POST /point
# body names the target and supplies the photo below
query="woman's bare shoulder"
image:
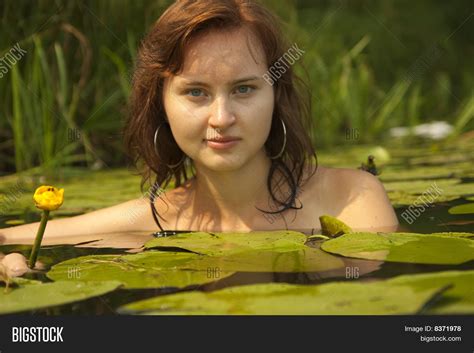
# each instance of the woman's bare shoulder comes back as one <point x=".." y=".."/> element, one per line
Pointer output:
<point x="355" y="197"/>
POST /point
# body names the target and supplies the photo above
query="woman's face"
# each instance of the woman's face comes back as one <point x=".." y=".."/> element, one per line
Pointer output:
<point x="220" y="93"/>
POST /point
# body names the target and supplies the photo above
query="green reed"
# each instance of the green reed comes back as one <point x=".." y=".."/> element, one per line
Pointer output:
<point x="64" y="102"/>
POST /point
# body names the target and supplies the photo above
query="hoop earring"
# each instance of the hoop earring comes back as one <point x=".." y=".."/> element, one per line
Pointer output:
<point x="284" y="142"/>
<point x="172" y="166"/>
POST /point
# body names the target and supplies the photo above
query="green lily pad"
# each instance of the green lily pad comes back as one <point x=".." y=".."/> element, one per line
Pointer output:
<point x="305" y="260"/>
<point x="456" y="300"/>
<point x="467" y="208"/>
<point x="407" y="192"/>
<point x="401" y="173"/>
<point x="215" y="244"/>
<point x="150" y="269"/>
<point x="421" y="186"/>
<point x="333" y="227"/>
<point x="445" y="157"/>
<point x="340" y="298"/>
<point x="104" y="188"/>
<point x="401" y="198"/>
<point x="454" y="234"/>
<point x="463" y="189"/>
<point x="38" y="296"/>
<point x="437" y="248"/>
<point x="23" y="281"/>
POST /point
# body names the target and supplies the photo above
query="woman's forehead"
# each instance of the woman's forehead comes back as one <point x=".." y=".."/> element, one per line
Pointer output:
<point x="224" y="53"/>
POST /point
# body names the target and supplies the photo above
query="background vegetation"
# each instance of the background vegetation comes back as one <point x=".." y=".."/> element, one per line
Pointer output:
<point x="371" y="65"/>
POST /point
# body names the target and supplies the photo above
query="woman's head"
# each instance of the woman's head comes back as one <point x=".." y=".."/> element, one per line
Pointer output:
<point x="220" y="88"/>
<point x="216" y="42"/>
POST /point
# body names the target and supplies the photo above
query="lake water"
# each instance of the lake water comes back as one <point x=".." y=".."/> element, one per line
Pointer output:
<point x="434" y="218"/>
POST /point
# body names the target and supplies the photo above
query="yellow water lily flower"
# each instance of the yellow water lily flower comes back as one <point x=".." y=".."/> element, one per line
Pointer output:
<point x="48" y="197"/>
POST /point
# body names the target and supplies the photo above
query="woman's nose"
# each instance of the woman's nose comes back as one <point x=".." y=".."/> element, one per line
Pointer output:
<point x="222" y="114"/>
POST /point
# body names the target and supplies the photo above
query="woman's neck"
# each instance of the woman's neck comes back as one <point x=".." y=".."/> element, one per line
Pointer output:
<point x="231" y="194"/>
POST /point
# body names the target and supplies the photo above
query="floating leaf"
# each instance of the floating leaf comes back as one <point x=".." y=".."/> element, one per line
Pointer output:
<point x="402" y="198"/>
<point x="453" y="234"/>
<point x="333" y="227"/>
<point x="420" y="186"/>
<point x="402" y="173"/>
<point x="150" y="269"/>
<point x="37" y="296"/>
<point x="437" y="248"/>
<point x="441" y="158"/>
<point x="461" y="189"/>
<point x="457" y="300"/>
<point x="467" y="208"/>
<point x="305" y="260"/>
<point x="343" y="298"/>
<point x="318" y="236"/>
<point x="423" y="191"/>
<point x="23" y="281"/>
<point x="227" y="243"/>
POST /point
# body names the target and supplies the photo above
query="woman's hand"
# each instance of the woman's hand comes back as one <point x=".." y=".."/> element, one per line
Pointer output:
<point x="14" y="264"/>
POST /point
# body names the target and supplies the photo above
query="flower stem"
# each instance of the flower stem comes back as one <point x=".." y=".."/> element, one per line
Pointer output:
<point x="39" y="237"/>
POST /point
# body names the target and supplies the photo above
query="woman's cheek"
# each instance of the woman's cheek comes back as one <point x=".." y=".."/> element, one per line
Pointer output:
<point x="188" y="136"/>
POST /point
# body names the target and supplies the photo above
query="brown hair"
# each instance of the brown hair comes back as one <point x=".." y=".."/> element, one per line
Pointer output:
<point x="162" y="53"/>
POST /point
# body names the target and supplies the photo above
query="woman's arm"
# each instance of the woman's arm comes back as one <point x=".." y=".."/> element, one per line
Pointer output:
<point x="130" y="216"/>
<point x="133" y="215"/>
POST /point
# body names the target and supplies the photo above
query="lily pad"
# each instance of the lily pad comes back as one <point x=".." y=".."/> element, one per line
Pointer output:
<point x="421" y="186"/>
<point x="467" y="208"/>
<point x="447" y="157"/>
<point x="402" y="198"/>
<point x="402" y="173"/>
<point x="34" y="296"/>
<point x="462" y="189"/>
<point x="437" y="248"/>
<point x="150" y="269"/>
<point x="342" y="298"/>
<point x="333" y="227"/>
<point x="456" y="300"/>
<point x="215" y="244"/>
<point x="407" y="192"/>
<point x="305" y="260"/>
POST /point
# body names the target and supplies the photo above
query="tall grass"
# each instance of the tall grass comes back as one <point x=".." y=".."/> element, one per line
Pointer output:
<point x="43" y="113"/>
<point x="64" y="103"/>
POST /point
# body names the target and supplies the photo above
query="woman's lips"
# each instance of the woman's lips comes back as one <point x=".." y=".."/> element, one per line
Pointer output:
<point x="223" y="144"/>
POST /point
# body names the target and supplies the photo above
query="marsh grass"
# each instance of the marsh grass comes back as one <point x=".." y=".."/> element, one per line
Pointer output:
<point x="64" y="102"/>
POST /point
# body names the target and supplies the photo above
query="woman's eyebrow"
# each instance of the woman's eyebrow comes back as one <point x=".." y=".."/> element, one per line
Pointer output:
<point x="187" y="82"/>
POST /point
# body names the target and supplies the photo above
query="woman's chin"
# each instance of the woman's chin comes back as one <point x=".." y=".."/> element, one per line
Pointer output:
<point x="222" y="164"/>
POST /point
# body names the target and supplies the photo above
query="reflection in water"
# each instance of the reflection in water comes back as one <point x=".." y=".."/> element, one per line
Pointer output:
<point x="122" y="243"/>
<point x="107" y="304"/>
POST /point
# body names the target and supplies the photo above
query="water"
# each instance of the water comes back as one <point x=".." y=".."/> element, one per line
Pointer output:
<point x="434" y="219"/>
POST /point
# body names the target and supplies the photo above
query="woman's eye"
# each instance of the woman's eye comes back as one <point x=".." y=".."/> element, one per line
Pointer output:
<point x="244" y="89"/>
<point x="195" y="92"/>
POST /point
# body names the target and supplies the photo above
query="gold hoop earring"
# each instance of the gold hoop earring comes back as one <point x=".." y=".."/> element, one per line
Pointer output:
<point x="172" y="166"/>
<point x="284" y="142"/>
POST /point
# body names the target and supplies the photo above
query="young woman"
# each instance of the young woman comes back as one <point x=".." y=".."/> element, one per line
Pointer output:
<point x="235" y="145"/>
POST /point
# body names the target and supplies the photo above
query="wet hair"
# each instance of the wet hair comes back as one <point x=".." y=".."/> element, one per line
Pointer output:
<point x="162" y="53"/>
